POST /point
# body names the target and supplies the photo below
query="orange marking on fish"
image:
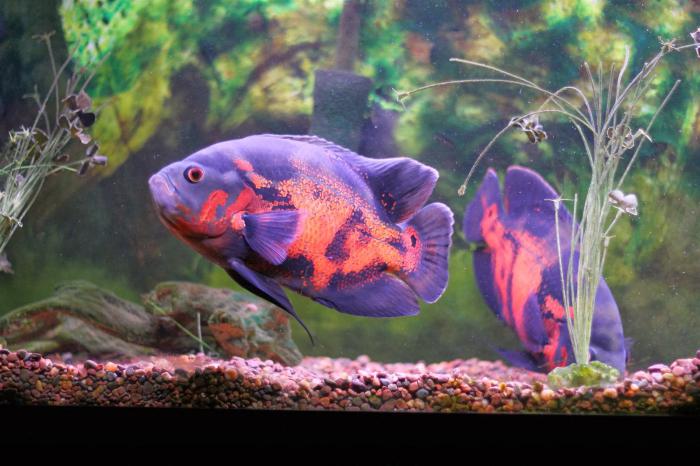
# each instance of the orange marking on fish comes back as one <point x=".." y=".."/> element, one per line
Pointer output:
<point x="243" y="165"/>
<point x="555" y="307"/>
<point x="549" y="350"/>
<point x="214" y="201"/>
<point x="259" y="181"/>
<point x="551" y="326"/>
<point x="328" y="204"/>
<point x="526" y="280"/>
<point x="367" y="251"/>
<point x="237" y="222"/>
<point x="246" y="201"/>
<point x="516" y="276"/>
<point x="502" y="256"/>
<point x="414" y="249"/>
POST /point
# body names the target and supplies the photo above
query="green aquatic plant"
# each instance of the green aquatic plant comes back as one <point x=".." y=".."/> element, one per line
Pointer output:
<point x="604" y="118"/>
<point x="36" y="152"/>
<point x="594" y="373"/>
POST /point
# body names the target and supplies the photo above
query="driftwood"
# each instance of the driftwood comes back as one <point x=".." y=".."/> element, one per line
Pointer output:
<point x="176" y="318"/>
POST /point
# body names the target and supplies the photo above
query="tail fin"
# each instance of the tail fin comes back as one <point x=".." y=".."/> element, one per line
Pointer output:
<point x="432" y="227"/>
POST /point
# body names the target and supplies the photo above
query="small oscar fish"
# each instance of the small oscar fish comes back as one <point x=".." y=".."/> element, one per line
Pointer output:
<point x="516" y="265"/>
<point x="348" y="231"/>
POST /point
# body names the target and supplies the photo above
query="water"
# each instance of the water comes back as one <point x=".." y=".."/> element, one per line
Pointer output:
<point x="179" y="78"/>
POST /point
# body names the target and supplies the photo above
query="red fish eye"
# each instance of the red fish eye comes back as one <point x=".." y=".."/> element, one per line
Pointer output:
<point x="194" y="174"/>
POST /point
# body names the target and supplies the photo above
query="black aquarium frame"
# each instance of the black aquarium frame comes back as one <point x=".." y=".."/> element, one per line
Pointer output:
<point x="37" y="425"/>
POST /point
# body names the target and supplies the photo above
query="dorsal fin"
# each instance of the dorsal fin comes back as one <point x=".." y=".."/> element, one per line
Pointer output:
<point x="528" y="200"/>
<point x="527" y="193"/>
<point x="489" y="193"/>
<point x="402" y="185"/>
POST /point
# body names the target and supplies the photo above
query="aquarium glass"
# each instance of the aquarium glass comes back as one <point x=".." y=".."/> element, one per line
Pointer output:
<point x="301" y="264"/>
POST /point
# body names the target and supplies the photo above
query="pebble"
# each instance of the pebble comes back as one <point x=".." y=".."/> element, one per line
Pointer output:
<point x="358" y="386"/>
<point x="422" y="393"/>
<point x="111" y="367"/>
<point x="90" y="364"/>
<point x="333" y="384"/>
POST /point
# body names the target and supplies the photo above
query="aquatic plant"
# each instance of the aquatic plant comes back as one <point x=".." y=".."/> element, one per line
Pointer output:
<point x="32" y="154"/>
<point x="604" y="118"/>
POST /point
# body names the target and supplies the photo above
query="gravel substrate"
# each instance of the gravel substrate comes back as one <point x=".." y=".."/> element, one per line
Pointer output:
<point x="335" y="384"/>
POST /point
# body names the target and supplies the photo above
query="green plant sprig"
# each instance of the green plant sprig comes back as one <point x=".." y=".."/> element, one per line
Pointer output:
<point x="35" y="153"/>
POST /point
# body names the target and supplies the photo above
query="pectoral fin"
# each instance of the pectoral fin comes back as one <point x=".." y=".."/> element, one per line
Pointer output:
<point x="270" y="233"/>
<point x="264" y="287"/>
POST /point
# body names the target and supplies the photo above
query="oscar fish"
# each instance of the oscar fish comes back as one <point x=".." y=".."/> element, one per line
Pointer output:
<point x="350" y="232"/>
<point x="516" y="265"/>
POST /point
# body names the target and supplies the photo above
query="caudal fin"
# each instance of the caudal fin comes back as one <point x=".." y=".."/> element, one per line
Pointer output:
<point x="430" y="232"/>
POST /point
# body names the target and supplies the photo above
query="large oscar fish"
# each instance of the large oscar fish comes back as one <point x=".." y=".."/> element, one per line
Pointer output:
<point x="347" y="231"/>
<point x="517" y="271"/>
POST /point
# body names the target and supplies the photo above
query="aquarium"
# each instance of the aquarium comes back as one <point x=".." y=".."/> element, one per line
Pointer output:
<point x="375" y="206"/>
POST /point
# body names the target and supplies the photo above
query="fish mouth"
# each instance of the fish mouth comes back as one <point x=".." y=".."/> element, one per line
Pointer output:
<point x="165" y="198"/>
<point x="163" y="191"/>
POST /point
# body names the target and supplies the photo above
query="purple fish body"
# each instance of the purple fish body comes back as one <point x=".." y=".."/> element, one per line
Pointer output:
<point x="517" y="271"/>
<point x="350" y="232"/>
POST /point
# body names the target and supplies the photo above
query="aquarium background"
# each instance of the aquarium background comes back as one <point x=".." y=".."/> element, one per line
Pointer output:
<point x="179" y="76"/>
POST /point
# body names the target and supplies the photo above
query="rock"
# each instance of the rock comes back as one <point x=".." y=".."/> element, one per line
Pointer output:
<point x="678" y="371"/>
<point x="94" y="323"/>
<point x="358" y="386"/>
<point x="240" y="325"/>
<point x="547" y="394"/>
<point x="658" y="368"/>
<point x="110" y="367"/>
<point x="81" y="318"/>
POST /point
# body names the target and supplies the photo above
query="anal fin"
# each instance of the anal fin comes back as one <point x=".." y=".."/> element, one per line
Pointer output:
<point x="264" y="287"/>
<point x="386" y="296"/>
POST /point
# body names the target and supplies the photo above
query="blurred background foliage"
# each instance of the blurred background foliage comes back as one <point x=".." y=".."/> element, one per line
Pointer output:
<point x="178" y="76"/>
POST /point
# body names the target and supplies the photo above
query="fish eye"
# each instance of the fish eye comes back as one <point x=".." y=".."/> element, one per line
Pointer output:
<point x="194" y="174"/>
